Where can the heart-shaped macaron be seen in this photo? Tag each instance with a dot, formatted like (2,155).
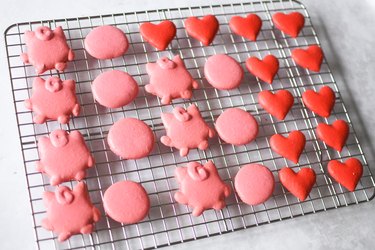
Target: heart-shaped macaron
(247,27)
(158,35)
(290,24)
(347,173)
(299,184)
(334,135)
(203,29)
(277,104)
(321,102)
(265,69)
(310,58)
(289,147)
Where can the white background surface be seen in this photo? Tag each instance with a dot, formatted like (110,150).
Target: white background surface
(347,32)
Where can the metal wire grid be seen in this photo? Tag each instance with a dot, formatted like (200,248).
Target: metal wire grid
(168,222)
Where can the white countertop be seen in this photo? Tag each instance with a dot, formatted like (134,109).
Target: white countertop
(346,29)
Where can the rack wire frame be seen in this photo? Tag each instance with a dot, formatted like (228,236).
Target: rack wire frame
(168,222)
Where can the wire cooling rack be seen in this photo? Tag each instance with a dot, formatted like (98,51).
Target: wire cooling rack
(168,222)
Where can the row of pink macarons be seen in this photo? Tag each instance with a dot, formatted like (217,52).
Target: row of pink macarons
(169,78)
(47,49)
(131,138)
(71,212)
(99,44)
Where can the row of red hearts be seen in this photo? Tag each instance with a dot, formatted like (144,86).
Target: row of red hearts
(205,29)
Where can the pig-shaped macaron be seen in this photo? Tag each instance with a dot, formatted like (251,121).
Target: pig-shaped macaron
(53,99)
(47,49)
(63,156)
(169,79)
(201,187)
(69,211)
(186,129)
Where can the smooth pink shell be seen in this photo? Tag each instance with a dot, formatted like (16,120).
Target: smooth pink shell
(223,72)
(114,89)
(106,42)
(131,138)
(236,126)
(254,184)
(126,202)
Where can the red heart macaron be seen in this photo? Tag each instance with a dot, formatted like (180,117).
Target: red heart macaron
(334,135)
(299,184)
(265,69)
(347,173)
(321,102)
(277,104)
(203,29)
(290,24)
(158,35)
(247,27)
(289,147)
(310,58)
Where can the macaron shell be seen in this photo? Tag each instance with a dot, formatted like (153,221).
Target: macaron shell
(265,69)
(130,138)
(186,129)
(236,126)
(247,27)
(321,102)
(310,58)
(277,104)
(63,156)
(169,79)
(47,49)
(53,104)
(290,147)
(254,184)
(201,187)
(106,42)
(223,72)
(334,135)
(69,212)
(126,202)
(300,183)
(114,89)
(290,24)
(158,35)
(204,29)
(347,174)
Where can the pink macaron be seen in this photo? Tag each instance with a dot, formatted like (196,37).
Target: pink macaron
(236,126)
(114,89)
(106,42)
(130,138)
(223,72)
(126,202)
(254,184)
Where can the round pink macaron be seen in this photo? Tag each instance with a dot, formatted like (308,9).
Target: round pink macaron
(130,138)
(114,89)
(126,202)
(223,72)
(236,126)
(254,184)
(106,42)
